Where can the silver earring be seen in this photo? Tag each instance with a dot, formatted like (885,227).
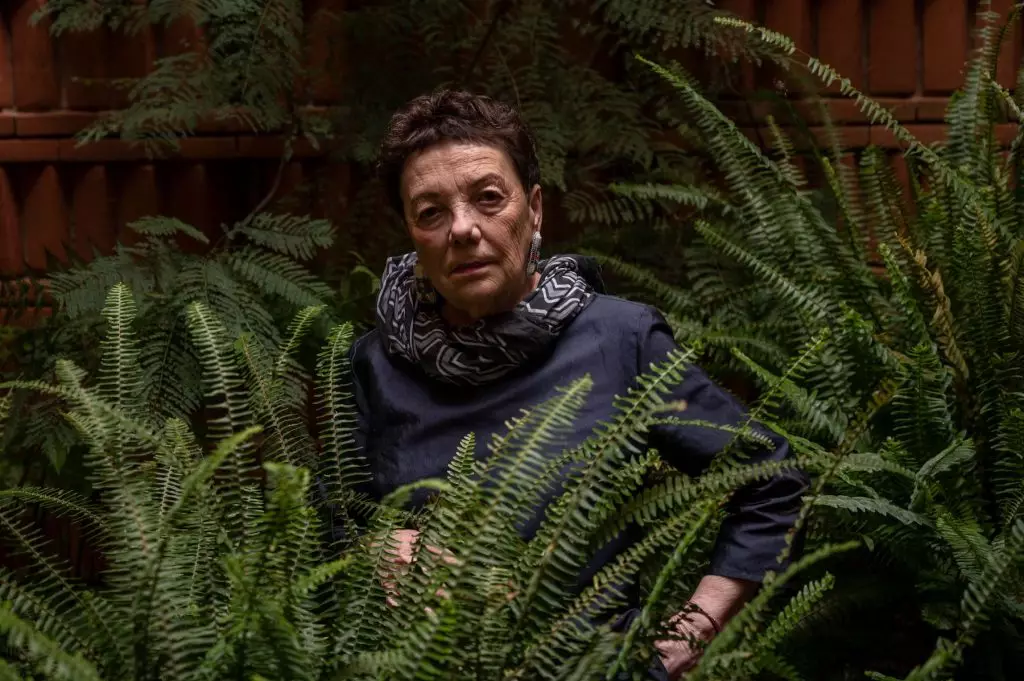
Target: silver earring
(533,259)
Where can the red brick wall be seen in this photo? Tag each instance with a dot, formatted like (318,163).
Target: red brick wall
(906,54)
(58,199)
(61,200)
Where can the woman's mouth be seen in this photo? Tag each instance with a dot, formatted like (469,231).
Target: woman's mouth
(469,268)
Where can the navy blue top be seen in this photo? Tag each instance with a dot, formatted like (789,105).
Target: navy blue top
(410,425)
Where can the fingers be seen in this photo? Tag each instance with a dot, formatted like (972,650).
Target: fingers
(406,542)
(447,556)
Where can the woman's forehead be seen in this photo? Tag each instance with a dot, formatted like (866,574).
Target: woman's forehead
(448,165)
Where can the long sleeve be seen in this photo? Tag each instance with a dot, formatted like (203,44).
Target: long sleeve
(758,515)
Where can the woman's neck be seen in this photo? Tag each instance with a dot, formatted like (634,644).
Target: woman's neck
(456,316)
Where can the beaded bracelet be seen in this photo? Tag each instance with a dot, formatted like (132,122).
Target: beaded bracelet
(714,622)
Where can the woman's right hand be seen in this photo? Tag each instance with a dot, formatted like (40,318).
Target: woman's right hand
(405,546)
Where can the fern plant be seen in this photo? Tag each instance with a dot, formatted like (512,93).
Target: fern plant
(246,67)
(921,291)
(220,563)
(254,278)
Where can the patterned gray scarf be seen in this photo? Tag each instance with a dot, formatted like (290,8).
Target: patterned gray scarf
(493,346)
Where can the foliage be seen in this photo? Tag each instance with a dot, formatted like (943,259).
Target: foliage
(596,116)
(243,67)
(931,341)
(253,278)
(220,563)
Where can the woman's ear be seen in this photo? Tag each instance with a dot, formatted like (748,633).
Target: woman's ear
(536,208)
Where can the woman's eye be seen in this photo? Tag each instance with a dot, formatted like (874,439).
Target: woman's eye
(490,196)
(429,214)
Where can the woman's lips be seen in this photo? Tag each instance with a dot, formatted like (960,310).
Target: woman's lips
(469,268)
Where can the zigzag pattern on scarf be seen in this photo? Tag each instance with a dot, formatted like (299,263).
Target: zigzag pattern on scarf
(489,349)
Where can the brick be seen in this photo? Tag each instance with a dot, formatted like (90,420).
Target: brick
(190,199)
(925,133)
(326,62)
(944,45)
(892,48)
(1005,133)
(209,123)
(6,71)
(92,222)
(52,123)
(850,136)
(291,193)
(208,147)
(45,218)
(791,18)
(1010,51)
(84,72)
(14,150)
(840,39)
(129,55)
(843,110)
(11,262)
(32,56)
(273,146)
(139,196)
(333,189)
(101,150)
(931,108)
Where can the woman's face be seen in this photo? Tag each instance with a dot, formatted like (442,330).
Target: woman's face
(471,223)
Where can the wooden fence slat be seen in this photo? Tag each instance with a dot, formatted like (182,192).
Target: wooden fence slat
(45,219)
(840,39)
(32,57)
(1010,53)
(944,44)
(92,225)
(6,65)
(139,196)
(744,9)
(892,48)
(11,264)
(84,69)
(324,50)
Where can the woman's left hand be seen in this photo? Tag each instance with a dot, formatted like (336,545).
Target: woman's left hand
(678,655)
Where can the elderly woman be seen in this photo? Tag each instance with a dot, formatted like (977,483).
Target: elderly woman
(473,326)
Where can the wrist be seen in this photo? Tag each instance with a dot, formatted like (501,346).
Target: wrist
(699,621)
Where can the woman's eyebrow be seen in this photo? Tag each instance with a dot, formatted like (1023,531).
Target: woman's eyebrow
(490,178)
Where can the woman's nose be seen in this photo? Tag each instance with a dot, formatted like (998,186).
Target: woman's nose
(464,226)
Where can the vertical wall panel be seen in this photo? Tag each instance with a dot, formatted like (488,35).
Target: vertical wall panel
(841,38)
(138,196)
(744,9)
(6,71)
(325,50)
(45,219)
(32,55)
(192,199)
(92,224)
(84,69)
(1010,53)
(892,47)
(944,44)
(11,263)
(791,18)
